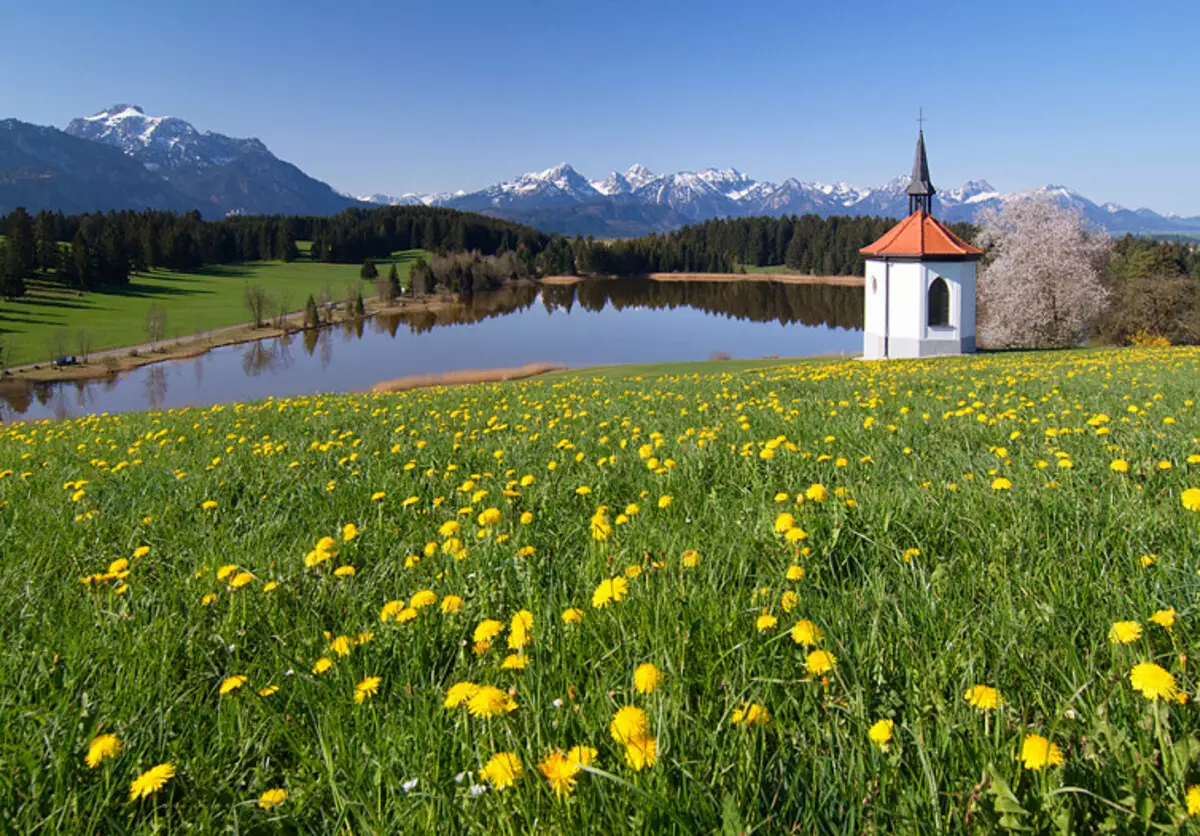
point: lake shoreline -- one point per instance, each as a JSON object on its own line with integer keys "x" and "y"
{"x": 112, "y": 362}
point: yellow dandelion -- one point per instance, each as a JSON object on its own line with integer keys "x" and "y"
{"x": 629, "y": 722}
{"x": 816, "y": 493}
{"x": 488, "y": 701}
{"x": 451, "y": 604}
{"x": 1164, "y": 618}
{"x": 610, "y": 590}
{"x": 459, "y": 693}
{"x": 268, "y": 691}
{"x": 881, "y": 733}
{"x": 208, "y": 504}
{"x": 322, "y": 665}
{"x": 646, "y": 678}
{"x": 241, "y": 579}
{"x": 102, "y": 748}
{"x": 1124, "y": 632}
{"x": 232, "y": 683}
{"x": 1037, "y": 753}
{"x": 349, "y": 532}
{"x": 1191, "y": 499}
{"x": 582, "y": 755}
{"x": 1119, "y": 466}
{"x": 560, "y": 771}
{"x": 368, "y": 687}
{"x": 272, "y": 798}
{"x": 983, "y": 697}
{"x": 1153, "y": 681}
{"x": 765, "y": 622}
{"x": 1001, "y": 484}
{"x": 487, "y": 630}
{"x": 515, "y": 662}
{"x": 641, "y": 752}
{"x": 806, "y": 634}
{"x": 1193, "y": 800}
{"x": 151, "y": 781}
{"x": 572, "y": 615}
{"x": 820, "y": 662}
{"x": 665, "y": 500}
{"x": 751, "y": 714}
{"x": 502, "y": 770}
{"x": 422, "y": 598}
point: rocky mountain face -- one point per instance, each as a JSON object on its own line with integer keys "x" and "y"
{"x": 44, "y": 168}
{"x": 121, "y": 158}
{"x": 638, "y": 201}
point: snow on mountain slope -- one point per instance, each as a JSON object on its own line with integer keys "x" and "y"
{"x": 558, "y": 197}
{"x": 161, "y": 141}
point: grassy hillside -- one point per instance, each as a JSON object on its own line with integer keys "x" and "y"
{"x": 927, "y": 596}
{"x": 48, "y": 316}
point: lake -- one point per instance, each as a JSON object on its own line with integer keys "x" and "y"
{"x": 596, "y": 322}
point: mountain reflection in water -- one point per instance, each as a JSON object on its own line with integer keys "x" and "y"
{"x": 594, "y": 322}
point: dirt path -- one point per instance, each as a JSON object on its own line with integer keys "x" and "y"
{"x": 465, "y": 376}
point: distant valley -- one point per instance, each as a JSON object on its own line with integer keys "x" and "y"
{"x": 123, "y": 158}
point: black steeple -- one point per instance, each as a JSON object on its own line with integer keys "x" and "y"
{"x": 920, "y": 190}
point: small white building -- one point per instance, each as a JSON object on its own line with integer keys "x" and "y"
{"x": 920, "y": 282}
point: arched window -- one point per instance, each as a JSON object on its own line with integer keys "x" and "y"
{"x": 939, "y": 303}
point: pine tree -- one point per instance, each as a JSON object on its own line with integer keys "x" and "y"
{"x": 368, "y": 270}
{"x": 394, "y": 289}
{"x": 22, "y": 240}
{"x": 359, "y": 308}
{"x": 47, "y": 242}
{"x": 68, "y": 269}
{"x": 312, "y": 317}
{"x": 12, "y": 272}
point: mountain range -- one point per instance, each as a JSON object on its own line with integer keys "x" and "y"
{"x": 123, "y": 158}
{"x": 637, "y": 201}
{"x": 120, "y": 158}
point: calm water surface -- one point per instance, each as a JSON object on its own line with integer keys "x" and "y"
{"x": 592, "y": 323}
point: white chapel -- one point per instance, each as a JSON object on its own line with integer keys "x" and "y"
{"x": 920, "y": 282}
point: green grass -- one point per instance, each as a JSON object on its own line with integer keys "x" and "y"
{"x": 925, "y": 576}
{"x": 48, "y": 319}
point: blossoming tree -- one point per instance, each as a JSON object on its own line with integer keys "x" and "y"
{"x": 1042, "y": 284}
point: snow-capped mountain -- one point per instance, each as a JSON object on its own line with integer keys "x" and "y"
{"x": 637, "y": 201}
{"x": 219, "y": 174}
{"x": 161, "y": 141}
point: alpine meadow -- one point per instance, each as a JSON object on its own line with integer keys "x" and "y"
{"x": 818, "y": 596}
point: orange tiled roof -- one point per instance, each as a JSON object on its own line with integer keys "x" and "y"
{"x": 921, "y": 235}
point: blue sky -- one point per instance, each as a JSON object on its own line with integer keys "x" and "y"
{"x": 426, "y": 96}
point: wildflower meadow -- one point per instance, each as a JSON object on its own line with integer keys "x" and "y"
{"x": 828, "y": 596}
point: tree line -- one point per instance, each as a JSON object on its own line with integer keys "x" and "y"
{"x": 100, "y": 250}
{"x": 808, "y": 244}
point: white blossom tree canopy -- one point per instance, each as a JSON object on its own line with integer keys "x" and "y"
{"x": 1042, "y": 284}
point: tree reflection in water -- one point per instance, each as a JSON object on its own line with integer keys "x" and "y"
{"x": 828, "y": 306}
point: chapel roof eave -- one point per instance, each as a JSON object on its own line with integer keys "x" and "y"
{"x": 920, "y": 237}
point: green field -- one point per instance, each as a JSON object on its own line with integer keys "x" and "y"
{"x": 917, "y": 596}
{"x": 48, "y": 320}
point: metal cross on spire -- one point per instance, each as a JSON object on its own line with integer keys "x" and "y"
{"x": 921, "y": 119}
